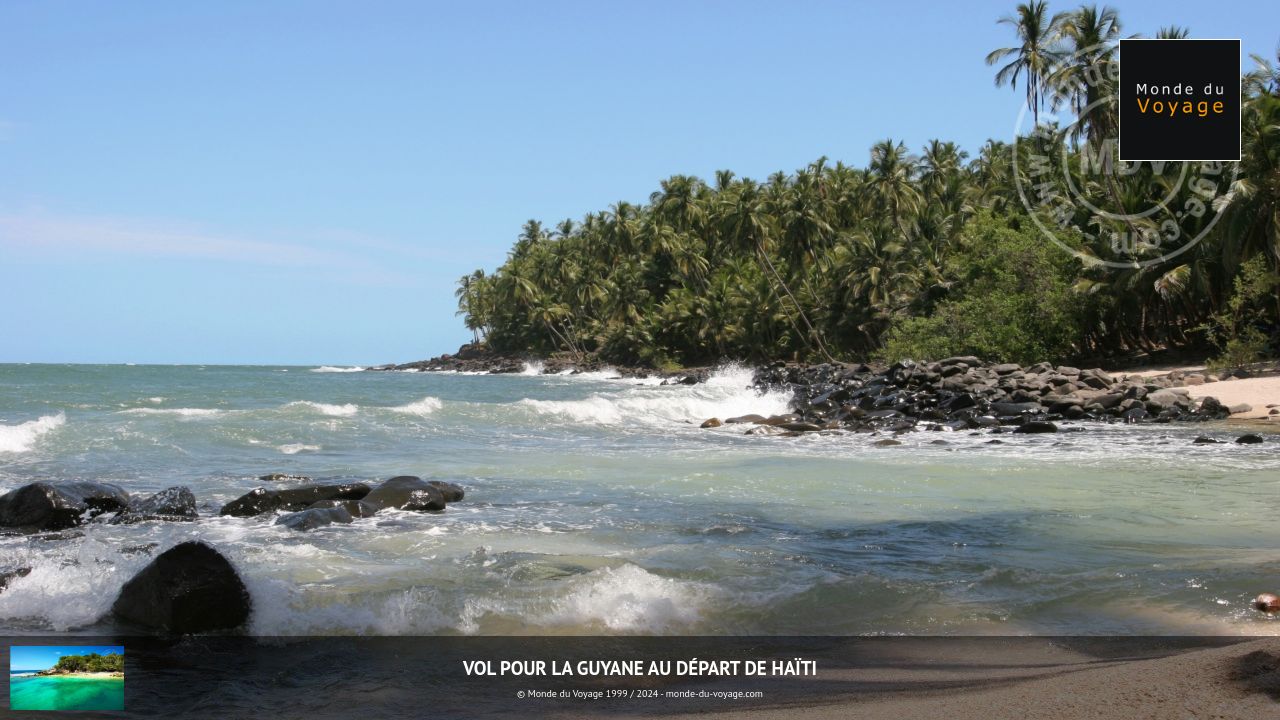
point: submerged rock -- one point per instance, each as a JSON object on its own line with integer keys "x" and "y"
{"x": 262, "y": 500}
{"x": 357, "y": 508}
{"x": 406, "y": 492}
{"x": 283, "y": 477}
{"x": 55, "y": 506}
{"x": 171, "y": 504}
{"x": 189, "y": 588}
{"x": 1036, "y": 427}
{"x": 1250, "y": 439}
{"x": 315, "y": 517}
{"x": 9, "y": 574}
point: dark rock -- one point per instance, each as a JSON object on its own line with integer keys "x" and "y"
{"x": 752, "y": 418}
{"x": 12, "y": 573}
{"x": 315, "y": 517}
{"x": 262, "y": 500}
{"x": 189, "y": 588}
{"x": 1036, "y": 426}
{"x": 800, "y": 426}
{"x": 406, "y": 492}
{"x": 283, "y": 477}
{"x": 173, "y": 504}
{"x": 1006, "y": 368}
{"x": 887, "y": 442}
{"x": 452, "y": 492}
{"x": 711, "y": 423}
{"x": 1250, "y": 439}
{"x": 1205, "y": 440}
{"x": 54, "y": 506}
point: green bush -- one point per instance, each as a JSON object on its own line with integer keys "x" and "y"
{"x": 1012, "y": 300}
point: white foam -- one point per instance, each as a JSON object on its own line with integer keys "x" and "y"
{"x": 295, "y": 448}
{"x": 533, "y": 367}
{"x": 423, "y": 407}
{"x": 332, "y": 369}
{"x": 326, "y": 408}
{"x": 21, "y": 437}
{"x": 181, "y": 412}
{"x": 728, "y": 392}
{"x": 157, "y": 399}
{"x": 629, "y": 599}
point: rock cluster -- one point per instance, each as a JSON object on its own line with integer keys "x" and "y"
{"x": 477, "y": 358}
{"x": 962, "y": 393}
{"x": 314, "y": 506}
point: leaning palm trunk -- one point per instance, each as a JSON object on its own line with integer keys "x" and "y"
{"x": 813, "y": 333}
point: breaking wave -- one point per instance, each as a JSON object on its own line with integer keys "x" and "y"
{"x": 423, "y": 407}
{"x": 21, "y": 438}
{"x": 326, "y": 408}
{"x": 332, "y": 369}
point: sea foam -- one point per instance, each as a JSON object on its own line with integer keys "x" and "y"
{"x": 21, "y": 437}
{"x": 332, "y": 369}
{"x": 423, "y": 407}
{"x": 326, "y": 408}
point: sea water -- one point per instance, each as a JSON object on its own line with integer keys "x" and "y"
{"x": 596, "y": 505}
{"x": 31, "y": 692}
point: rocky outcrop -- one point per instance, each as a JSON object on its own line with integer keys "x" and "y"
{"x": 189, "y": 588}
{"x": 478, "y": 358}
{"x": 961, "y": 393}
{"x": 58, "y": 505}
{"x": 173, "y": 504}
{"x": 262, "y": 500}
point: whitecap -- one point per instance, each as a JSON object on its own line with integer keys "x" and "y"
{"x": 423, "y": 407}
{"x": 326, "y": 408}
{"x": 295, "y": 448}
{"x": 181, "y": 412}
{"x": 333, "y": 369}
{"x": 21, "y": 437}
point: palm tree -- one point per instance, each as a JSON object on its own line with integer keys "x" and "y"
{"x": 1035, "y": 54}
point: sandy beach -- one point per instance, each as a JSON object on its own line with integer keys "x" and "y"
{"x": 1054, "y": 680}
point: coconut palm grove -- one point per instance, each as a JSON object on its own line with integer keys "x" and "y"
{"x": 923, "y": 252}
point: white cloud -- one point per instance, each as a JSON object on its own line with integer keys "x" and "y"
{"x": 44, "y": 233}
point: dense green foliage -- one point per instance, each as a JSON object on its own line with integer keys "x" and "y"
{"x": 916, "y": 255}
{"x": 93, "y": 662}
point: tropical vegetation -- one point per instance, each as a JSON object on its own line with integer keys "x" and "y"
{"x": 90, "y": 663}
{"x": 925, "y": 254}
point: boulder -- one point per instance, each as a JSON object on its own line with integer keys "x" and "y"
{"x": 173, "y": 504}
{"x": 887, "y": 442}
{"x": 313, "y": 518}
{"x": 262, "y": 500}
{"x": 711, "y": 423}
{"x": 58, "y": 505}
{"x": 800, "y": 426}
{"x": 452, "y": 492}
{"x": 752, "y": 418}
{"x": 189, "y": 588}
{"x": 1204, "y": 440}
{"x": 1250, "y": 439}
{"x": 1010, "y": 408}
{"x": 406, "y": 492}
{"x": 1240, "y": 408}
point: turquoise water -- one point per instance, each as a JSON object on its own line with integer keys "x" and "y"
{"x": 66, "y": 693}
{"x": 596, "y": 505}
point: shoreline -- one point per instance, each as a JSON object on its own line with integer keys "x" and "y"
{"x": 79, "y": 675}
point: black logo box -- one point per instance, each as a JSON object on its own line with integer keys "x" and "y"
{"x": 1179, "y": 63}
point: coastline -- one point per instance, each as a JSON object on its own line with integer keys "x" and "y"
{"x": 79, "y": 675}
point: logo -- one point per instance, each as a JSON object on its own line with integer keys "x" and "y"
{"x": 1084, "y": 198}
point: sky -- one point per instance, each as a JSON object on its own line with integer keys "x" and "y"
{"x": 284, "y": 182}
{"x": 43, "y": 657}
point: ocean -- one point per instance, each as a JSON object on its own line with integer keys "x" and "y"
{"x": 596, "y": 505}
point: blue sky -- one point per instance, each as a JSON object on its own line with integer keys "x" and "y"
{"x": 302, "y": 182}
{"x": 43, "y": 657}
